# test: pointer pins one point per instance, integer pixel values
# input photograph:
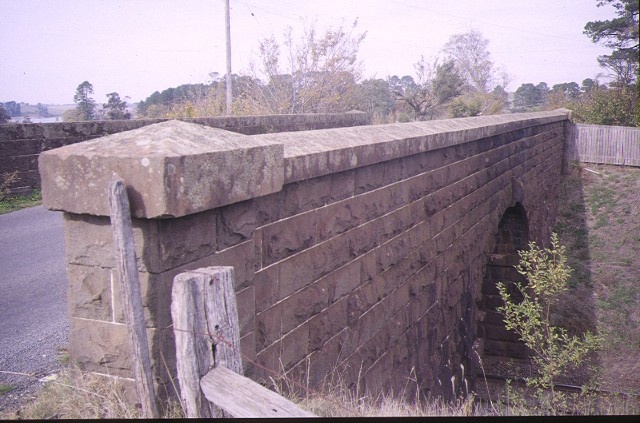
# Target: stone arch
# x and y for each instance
(512, 236)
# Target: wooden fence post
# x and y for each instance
(134, 316)
(205, 324)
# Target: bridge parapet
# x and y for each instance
(361, 249)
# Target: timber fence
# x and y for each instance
(210, 366)
(616, 145)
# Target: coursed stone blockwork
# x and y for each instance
(365, 255)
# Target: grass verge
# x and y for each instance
(16, 202)
(598, 223)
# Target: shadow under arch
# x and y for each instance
(512, 236)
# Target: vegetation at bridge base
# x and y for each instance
(554, 350)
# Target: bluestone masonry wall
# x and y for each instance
(357, 249)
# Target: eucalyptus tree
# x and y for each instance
(85, 105)
(620, 34)
(115, 108)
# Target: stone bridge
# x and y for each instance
(371, 251)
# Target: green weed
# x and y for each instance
(5, 388)
(601, 222)
(17, 202)
(619, 298)
(601, 197)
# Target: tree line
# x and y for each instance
(321, 73)
(592, 102)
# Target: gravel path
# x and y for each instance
(33, 304)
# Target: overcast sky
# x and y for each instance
(136, 47)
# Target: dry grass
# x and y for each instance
(385, 406)
(333, 399)
(73, 394)
(77, 395)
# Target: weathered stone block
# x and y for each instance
(343, 280)
(371, 205)
(156, 287)
(266, 283)
(306, 195)
(103, 347)
(283, 354)
(89, 292)
(241, 257)
(246, 300)
(170, 169)
(155, 290)
(323, 326)
(368, 178)
(281, 318)
(159, 244)
(288, 236)
(325, 364)
(376, 378)
(303, 268)
(183, 240)
(236, 223)
(89, 240)
(334, 219)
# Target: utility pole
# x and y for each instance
(227, 21)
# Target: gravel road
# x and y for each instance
(33, 304)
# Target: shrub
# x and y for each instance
(6, 180)
(554, 351)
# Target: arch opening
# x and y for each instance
(512, 236)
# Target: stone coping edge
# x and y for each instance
(311, 154)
